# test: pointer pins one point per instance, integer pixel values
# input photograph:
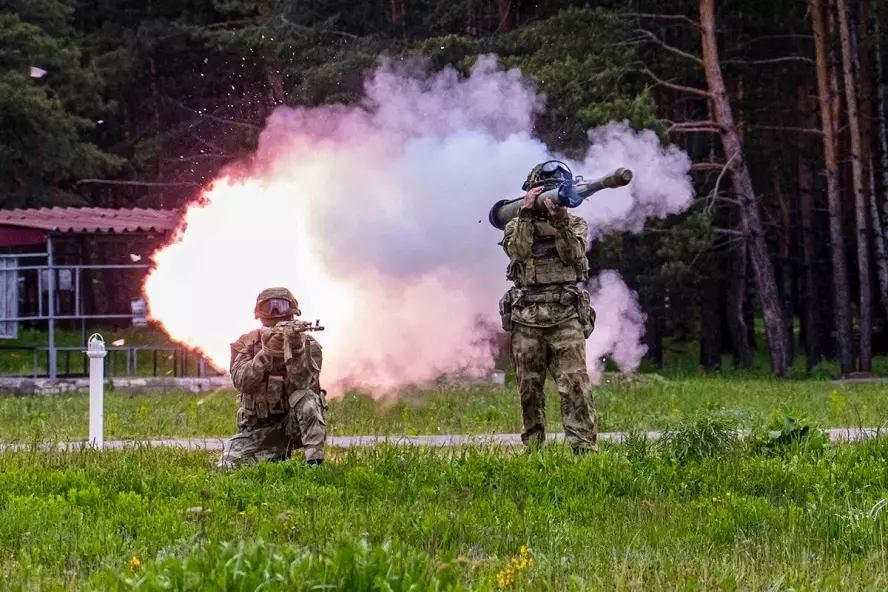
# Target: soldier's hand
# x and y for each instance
(273, 343)
(297, 341)
(555, 211)
(531, 195)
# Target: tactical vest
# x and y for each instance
(545, 267)
(270, 397)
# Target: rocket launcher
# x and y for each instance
(568, 193)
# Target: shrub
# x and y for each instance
(702, 435)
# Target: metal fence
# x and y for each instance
(121, 362)
(132, 360)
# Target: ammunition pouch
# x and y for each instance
(505, 309)
(274, 394)
(586, 313)
(568, 296)
(515, 272)
(267, 402)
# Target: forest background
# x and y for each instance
(780, 104)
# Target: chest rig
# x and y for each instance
(545, 267)
(267, 399)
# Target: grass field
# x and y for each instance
(695, 511)
(648, 403)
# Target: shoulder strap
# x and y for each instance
(246, 343)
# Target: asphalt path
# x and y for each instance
(441, 440)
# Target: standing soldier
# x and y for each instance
(548, 316)
(281, 402)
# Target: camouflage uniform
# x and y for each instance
(550, 320)
(281, 404)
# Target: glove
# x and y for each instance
(297, 343)
(273, 344)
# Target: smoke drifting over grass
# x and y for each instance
(376, 218)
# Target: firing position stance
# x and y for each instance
(277, 371)
(548, 316)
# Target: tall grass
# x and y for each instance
(631, 517)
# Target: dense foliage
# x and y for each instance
(160, 95)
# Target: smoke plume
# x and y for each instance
(375, 216)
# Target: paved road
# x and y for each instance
(215, 444)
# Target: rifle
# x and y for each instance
(290, 331)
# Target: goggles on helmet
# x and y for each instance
(275, 307)
(553, 168)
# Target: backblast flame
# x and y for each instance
(374, 216)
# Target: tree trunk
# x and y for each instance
(880, 111)
(835, 97)
(865, 79)
(879, 240)
(842, 304)
(710, 327)
(860, 197)
(785, 241)
(863, 75)
(806, 209)
(775, 325)
(806, 213)
(749, 300)
(399, 15)
(506, 15)
(736, 297)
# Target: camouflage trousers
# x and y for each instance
(562, 351)
(275, 437)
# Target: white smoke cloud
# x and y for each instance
(619, 325)
(376, 218)
(660, 185)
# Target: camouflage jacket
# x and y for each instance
(264, 382)
(547, 260)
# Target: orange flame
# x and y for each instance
(375, 218)
(268, 250)
(380, 333)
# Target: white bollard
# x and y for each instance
(96, 352)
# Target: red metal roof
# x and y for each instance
(82, 220)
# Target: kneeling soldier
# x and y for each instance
(282, 404)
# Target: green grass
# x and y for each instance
(634, 517)
(648, 403)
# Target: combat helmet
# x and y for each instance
(550, 173)
(276, 303)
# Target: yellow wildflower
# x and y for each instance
(506, 577)
(135, 563)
